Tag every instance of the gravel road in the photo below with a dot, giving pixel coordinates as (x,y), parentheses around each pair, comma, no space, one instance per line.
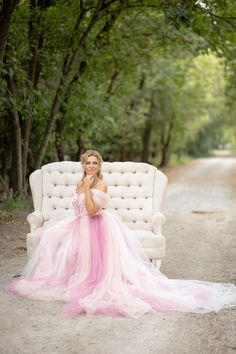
(201,244)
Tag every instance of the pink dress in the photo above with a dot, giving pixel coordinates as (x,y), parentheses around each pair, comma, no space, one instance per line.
(95,265)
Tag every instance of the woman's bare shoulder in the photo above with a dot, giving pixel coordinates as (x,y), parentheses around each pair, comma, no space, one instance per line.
(102,186)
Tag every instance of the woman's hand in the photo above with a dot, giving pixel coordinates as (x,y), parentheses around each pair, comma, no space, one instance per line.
(89,203)
(88,181)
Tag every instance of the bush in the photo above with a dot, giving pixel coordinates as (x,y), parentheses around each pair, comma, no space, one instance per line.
(17,205)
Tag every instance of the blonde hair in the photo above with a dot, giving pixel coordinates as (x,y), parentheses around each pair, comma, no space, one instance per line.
(96,154)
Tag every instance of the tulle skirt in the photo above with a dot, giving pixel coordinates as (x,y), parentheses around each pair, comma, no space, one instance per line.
(96,266)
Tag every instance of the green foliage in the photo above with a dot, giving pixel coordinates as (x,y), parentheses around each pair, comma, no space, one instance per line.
(17,204)
(117,70)
(179,160)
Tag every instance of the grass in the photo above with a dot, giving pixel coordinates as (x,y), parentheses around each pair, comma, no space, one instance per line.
(15,206)
(233,150)
(175,160)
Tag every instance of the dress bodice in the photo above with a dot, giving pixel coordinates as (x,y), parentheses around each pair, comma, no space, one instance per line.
(78,201)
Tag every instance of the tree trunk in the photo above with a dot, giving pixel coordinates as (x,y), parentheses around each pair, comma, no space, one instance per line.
(59,140)
(113,78)
(63,86)
(69,60)
(8,7)
(50,125)
(60,124)
(6,147)
(163,161)
(26,125)
(81,147)
(121,153)
(18,157)
(17,164)
(147,132)
(165,143)
(35,44)
(146,141)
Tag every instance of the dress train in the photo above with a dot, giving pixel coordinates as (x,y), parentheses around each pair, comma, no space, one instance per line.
(96,266)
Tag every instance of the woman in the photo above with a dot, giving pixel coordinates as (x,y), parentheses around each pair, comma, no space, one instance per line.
(91,262)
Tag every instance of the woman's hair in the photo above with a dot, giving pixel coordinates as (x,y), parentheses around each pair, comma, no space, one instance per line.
(96,154)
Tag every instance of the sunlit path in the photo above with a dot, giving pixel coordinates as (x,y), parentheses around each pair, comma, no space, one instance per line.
(200,232)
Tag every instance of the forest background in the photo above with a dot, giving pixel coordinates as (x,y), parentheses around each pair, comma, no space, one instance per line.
(138,80)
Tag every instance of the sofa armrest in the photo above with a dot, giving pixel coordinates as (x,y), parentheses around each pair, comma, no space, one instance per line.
(158,220)
(35,220)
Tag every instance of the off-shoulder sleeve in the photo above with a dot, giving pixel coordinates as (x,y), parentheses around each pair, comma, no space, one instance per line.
(100,198)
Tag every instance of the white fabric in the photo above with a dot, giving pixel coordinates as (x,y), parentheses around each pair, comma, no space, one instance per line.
(136,190)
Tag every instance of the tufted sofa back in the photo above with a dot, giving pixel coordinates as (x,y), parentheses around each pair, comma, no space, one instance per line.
(136,190)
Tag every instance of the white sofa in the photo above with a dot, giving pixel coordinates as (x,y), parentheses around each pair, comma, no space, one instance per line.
(137,191)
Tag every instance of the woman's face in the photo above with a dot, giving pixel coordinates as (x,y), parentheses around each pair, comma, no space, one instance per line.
(91,166)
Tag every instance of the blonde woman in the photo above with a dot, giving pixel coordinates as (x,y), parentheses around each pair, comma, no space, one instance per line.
(91,262)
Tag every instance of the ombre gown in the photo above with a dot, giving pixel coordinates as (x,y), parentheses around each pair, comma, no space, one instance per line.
(96,266)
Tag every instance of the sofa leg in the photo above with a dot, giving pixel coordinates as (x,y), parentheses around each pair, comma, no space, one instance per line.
(156,263)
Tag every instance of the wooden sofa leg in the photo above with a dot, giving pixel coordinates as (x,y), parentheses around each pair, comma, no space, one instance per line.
(156,263)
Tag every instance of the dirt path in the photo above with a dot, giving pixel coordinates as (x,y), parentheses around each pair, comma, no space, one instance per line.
(201,244)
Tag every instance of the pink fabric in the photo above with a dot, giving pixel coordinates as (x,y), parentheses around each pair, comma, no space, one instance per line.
(93,264)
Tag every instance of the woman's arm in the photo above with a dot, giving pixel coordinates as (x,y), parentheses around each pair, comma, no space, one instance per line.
(92,208)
